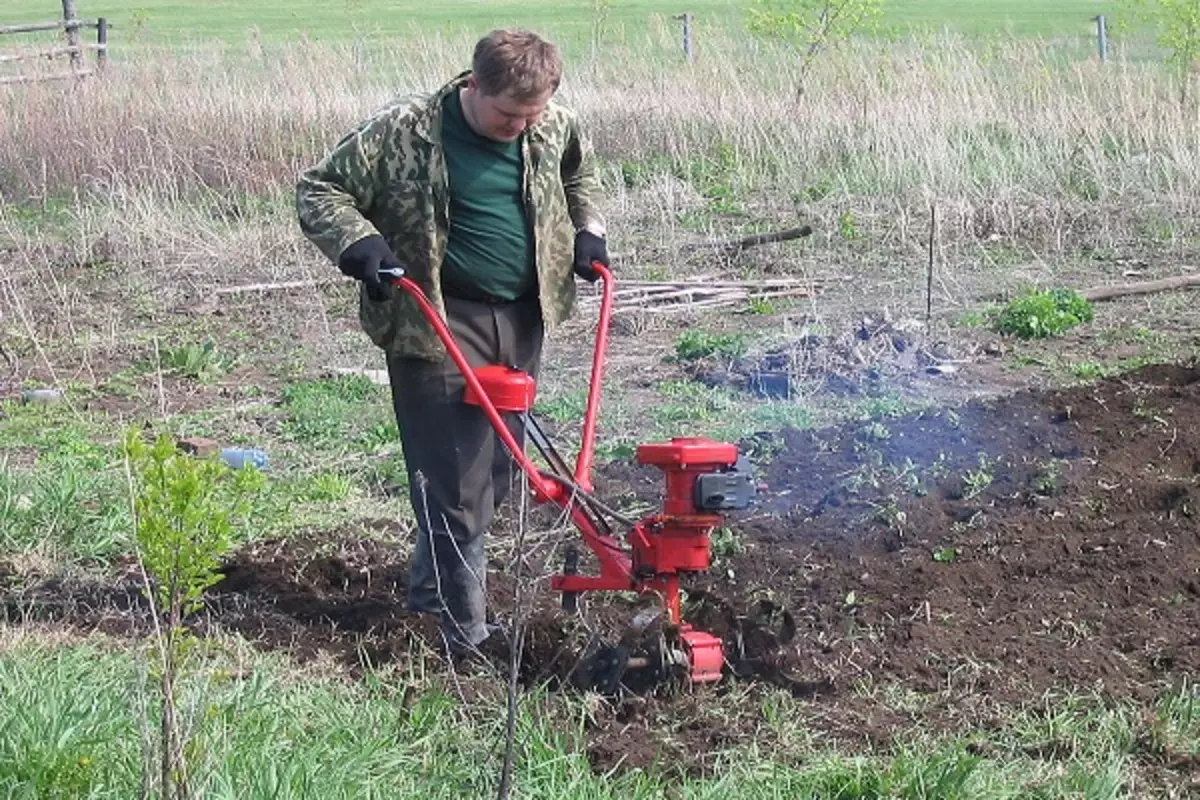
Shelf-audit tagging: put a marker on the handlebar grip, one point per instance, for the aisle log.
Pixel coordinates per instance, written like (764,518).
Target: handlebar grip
(393,273)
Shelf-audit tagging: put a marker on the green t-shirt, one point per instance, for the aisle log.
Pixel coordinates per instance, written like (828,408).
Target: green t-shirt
(490,249)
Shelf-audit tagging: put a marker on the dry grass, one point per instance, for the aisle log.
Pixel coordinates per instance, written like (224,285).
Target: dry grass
(175,169)
(899,121)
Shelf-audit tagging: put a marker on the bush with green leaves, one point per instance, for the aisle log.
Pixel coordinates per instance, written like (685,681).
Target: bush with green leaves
(808,25)
(1176,25)
(186,512)
(1043,313)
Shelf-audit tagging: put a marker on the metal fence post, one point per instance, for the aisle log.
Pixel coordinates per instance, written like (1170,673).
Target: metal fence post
(688,48)
(1102,37)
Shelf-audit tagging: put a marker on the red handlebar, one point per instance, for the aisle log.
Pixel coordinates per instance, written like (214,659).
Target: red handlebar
(587,447)
(542,485)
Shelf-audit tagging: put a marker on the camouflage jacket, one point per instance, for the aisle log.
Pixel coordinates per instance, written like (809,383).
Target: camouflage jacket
(388,176)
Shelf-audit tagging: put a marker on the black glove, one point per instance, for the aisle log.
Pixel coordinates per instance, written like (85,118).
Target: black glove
(588,248)
(362,261)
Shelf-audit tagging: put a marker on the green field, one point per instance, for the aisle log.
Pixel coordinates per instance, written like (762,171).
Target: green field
(155,20)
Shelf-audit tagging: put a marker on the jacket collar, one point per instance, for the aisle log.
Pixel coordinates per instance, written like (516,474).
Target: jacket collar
(429,124)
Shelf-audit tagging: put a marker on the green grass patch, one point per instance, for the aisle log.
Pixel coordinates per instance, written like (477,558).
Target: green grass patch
(61,492)
(55,433)
(692,403)
(563,407)
(693,345)
(884,406)
(345,412)
(63,511)
(73,727)
(1175,730)
(238,23)
(64,492)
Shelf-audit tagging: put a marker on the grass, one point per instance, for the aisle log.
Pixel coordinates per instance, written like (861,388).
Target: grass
(336,413)
(63,492)
(270,731)
(242,23)
(60,491)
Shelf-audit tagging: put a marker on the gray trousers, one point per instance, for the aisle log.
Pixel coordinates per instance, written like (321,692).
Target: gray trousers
(458,469)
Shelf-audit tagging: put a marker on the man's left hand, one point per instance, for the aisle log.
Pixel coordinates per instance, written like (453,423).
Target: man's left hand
(589,248)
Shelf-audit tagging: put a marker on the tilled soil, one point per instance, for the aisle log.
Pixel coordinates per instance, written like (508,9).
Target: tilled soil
(1038,541)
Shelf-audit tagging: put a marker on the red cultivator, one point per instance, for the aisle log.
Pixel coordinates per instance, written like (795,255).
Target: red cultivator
(703,478)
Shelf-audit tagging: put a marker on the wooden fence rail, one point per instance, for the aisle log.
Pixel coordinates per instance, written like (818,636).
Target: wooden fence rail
(75,48)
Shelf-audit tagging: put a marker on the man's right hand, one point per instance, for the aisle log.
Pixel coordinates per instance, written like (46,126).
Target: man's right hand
(362,261)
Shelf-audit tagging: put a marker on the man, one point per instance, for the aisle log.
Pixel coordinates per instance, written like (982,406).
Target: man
(486,193)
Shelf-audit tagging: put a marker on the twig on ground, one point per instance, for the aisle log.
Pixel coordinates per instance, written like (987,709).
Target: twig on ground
(281,285)
(670,297)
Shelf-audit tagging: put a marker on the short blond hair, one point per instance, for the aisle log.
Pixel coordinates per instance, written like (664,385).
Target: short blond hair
(516,62)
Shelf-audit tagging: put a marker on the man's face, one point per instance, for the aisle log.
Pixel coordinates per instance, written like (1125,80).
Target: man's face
(501,117)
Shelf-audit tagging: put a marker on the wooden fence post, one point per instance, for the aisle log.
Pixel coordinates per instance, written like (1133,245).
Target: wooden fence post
(101,43)
(70,22)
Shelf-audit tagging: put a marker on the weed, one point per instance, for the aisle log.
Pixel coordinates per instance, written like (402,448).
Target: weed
(977,480)
(201,362)
(326,487)
(656,272)
(726,542)
(726,207)
(639,173)
(847,228)
(1045,482)
(907,476)
(815,192)
(891,515)
(876,431)
(1087,370)
(691,402)
(1176,725)
(777,415)
(945,555)
(940,468)
(760,306)
(696,344)
(1039,314)
(972,319)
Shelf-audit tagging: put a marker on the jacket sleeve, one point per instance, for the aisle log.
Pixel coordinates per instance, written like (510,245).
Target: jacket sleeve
(581,181)
(333,197)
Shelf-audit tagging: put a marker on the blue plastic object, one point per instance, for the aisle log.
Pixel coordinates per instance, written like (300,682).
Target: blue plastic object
(238,458)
